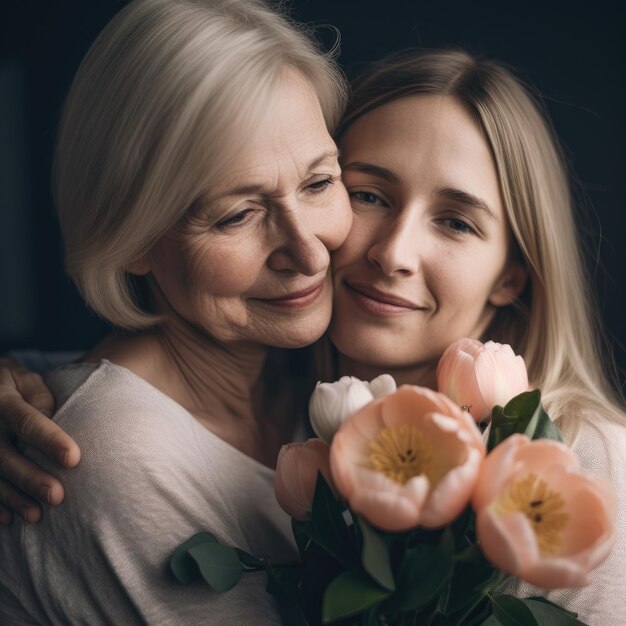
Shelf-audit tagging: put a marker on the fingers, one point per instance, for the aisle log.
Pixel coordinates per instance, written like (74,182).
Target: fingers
(34,391)
(23,480)
(33,428)
(36,430)
(12,500)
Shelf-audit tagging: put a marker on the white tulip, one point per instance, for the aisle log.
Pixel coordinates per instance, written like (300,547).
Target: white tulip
(382,385)
(332,403)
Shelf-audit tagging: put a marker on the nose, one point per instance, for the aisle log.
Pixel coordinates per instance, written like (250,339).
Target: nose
(299,250)
(396,248)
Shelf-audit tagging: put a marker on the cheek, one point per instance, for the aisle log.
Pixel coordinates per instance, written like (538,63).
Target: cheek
(356,245)
(195,271)
(340,220)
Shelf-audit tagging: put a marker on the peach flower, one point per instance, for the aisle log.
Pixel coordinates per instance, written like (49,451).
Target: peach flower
(478,376)
(538,517)
(296,475)
(408,458)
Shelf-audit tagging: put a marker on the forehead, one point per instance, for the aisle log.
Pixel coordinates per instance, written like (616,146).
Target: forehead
(426,140)
(289,134)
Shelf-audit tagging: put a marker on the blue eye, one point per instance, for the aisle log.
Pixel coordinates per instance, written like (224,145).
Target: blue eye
(366,197)
(458,226)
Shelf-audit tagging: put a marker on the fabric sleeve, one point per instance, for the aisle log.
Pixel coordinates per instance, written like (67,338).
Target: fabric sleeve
(102,556)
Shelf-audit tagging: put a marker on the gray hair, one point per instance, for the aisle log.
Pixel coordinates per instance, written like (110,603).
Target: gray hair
(160,103)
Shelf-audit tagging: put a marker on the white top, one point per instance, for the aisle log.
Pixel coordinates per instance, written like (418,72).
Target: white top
(602,451)
(150,477)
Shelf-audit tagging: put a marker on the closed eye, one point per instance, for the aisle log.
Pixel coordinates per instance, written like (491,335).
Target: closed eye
(236,220)
(319,186)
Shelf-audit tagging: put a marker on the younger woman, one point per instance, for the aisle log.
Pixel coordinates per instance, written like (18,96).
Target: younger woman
(463,227)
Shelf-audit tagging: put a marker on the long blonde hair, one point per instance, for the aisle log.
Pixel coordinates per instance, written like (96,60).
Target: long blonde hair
(554,322)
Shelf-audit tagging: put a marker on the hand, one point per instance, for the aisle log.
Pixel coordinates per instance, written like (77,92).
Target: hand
(26,405)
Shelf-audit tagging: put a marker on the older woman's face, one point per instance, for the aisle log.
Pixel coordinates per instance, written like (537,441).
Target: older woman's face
(252,263)
(427,259)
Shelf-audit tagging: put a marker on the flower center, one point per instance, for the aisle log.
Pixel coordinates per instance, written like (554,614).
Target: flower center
(401,453)
(542,507)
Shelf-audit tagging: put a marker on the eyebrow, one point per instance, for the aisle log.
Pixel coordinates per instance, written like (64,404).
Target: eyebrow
(458,195)
(252,189)
(374,170)
(448,193)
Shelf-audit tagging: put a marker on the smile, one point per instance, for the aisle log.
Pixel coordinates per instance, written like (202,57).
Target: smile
(297,299)
(376,302)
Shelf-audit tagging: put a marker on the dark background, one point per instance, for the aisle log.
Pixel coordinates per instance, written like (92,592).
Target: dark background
(573,52)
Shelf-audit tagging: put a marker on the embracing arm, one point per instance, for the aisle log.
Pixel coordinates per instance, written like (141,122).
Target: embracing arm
(26,405)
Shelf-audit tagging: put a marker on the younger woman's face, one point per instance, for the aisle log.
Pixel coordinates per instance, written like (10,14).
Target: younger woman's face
(427,260)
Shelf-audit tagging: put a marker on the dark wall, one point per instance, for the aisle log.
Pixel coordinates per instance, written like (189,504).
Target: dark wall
(572,51)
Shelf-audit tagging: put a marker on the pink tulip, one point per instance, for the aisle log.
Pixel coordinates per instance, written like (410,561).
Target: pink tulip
(478,376)
(538,517)
(408,458)
(296,475)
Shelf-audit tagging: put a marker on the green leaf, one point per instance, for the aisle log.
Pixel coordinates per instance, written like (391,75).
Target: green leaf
(424,571)
(350,593)
(218,564)
(546,428)
(302,531)
(473,577)
(523,414)
(492,620)
(249,562)
(328,527)
(284,584)
(375,556)
(511,611)
(370,618)
(184,568)
(546,612)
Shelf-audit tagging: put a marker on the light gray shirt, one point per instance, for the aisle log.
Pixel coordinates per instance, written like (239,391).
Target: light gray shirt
(150,477)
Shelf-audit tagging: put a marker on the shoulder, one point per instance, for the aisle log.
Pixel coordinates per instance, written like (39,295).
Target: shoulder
(600,446)
(133,438)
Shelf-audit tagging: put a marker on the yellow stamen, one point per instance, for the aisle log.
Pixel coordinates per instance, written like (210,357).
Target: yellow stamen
(401,453)
(543,508)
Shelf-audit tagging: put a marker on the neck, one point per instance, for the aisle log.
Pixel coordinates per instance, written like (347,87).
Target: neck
(204,375)
(423,375)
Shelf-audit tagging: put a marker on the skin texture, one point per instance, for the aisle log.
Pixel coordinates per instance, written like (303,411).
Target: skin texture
(415,236)
(240,248)
(263,233)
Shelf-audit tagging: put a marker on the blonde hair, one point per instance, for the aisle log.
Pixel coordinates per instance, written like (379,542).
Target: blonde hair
(163,99)
(554,322)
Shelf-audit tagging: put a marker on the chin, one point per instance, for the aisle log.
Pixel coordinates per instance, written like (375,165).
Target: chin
(299,333)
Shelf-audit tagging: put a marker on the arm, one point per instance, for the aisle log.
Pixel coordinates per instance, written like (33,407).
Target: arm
(26,405)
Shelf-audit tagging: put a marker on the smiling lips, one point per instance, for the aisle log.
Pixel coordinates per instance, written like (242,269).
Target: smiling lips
(371,300)
(298,299)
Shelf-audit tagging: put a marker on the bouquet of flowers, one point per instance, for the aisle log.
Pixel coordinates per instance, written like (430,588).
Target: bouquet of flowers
(405,512)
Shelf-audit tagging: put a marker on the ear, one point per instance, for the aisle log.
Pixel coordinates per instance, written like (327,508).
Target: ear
(510,284)
(140,267)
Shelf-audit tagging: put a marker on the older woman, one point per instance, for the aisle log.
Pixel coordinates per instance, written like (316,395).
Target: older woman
(196,189)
